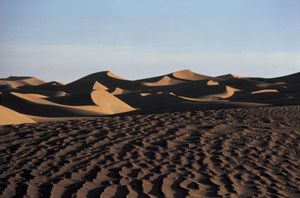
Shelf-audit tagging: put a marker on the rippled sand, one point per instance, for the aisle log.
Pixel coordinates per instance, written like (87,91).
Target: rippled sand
(251,152)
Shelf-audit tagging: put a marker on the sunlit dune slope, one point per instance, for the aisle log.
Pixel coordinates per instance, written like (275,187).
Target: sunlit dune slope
(105,93)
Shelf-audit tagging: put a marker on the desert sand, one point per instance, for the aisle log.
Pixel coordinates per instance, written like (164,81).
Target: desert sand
(181,134)
(105,93)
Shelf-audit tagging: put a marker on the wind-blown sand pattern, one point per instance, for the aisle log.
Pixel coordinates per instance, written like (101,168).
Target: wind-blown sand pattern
(218,153)
(177,135)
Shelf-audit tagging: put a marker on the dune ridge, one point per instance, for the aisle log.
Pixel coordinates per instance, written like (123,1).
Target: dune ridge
(14,82)
(164,81)
(109,103)
(189,75)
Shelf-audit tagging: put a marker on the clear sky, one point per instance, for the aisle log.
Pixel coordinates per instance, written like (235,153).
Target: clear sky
(67,39)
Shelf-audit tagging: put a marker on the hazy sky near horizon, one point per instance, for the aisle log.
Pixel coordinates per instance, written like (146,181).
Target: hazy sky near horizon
(67,39)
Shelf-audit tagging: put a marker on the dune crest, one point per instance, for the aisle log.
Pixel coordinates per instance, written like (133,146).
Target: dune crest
(189,75)
(230,91)
(14,82)
(108,103)
(118,91)
(212,82)
(99,86)
(106,79)
(34,98)
(228,77)
(265,91)
(112,75)
(164,81)
(145,94)
(38,106)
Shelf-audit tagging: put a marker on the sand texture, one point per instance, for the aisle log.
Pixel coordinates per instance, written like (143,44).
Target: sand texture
(181,134)
(243,152)
(105,93)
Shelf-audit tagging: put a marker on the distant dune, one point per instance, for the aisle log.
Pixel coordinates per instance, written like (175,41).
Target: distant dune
(105,93)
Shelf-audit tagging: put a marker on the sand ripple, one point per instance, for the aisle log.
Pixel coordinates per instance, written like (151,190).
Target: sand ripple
(224,153)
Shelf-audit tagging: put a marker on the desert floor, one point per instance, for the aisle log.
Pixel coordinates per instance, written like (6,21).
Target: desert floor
(243,152)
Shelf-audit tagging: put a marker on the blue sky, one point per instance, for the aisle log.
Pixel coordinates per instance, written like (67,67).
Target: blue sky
(66,39)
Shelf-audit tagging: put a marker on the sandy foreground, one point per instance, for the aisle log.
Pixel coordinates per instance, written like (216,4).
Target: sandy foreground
(243,152)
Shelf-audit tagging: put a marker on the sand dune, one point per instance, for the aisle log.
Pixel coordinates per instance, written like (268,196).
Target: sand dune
(243,152)
(164,81)
(115,76)
(37,106)
(145,94)
(265,91)
(212,82)
(176,135)
(49,86)
(227,77)
(229,91)
(108,103)
(106,79)
(99,86)
(119,91)
(189,75)
(9,116)
(105,93)
(15,82)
